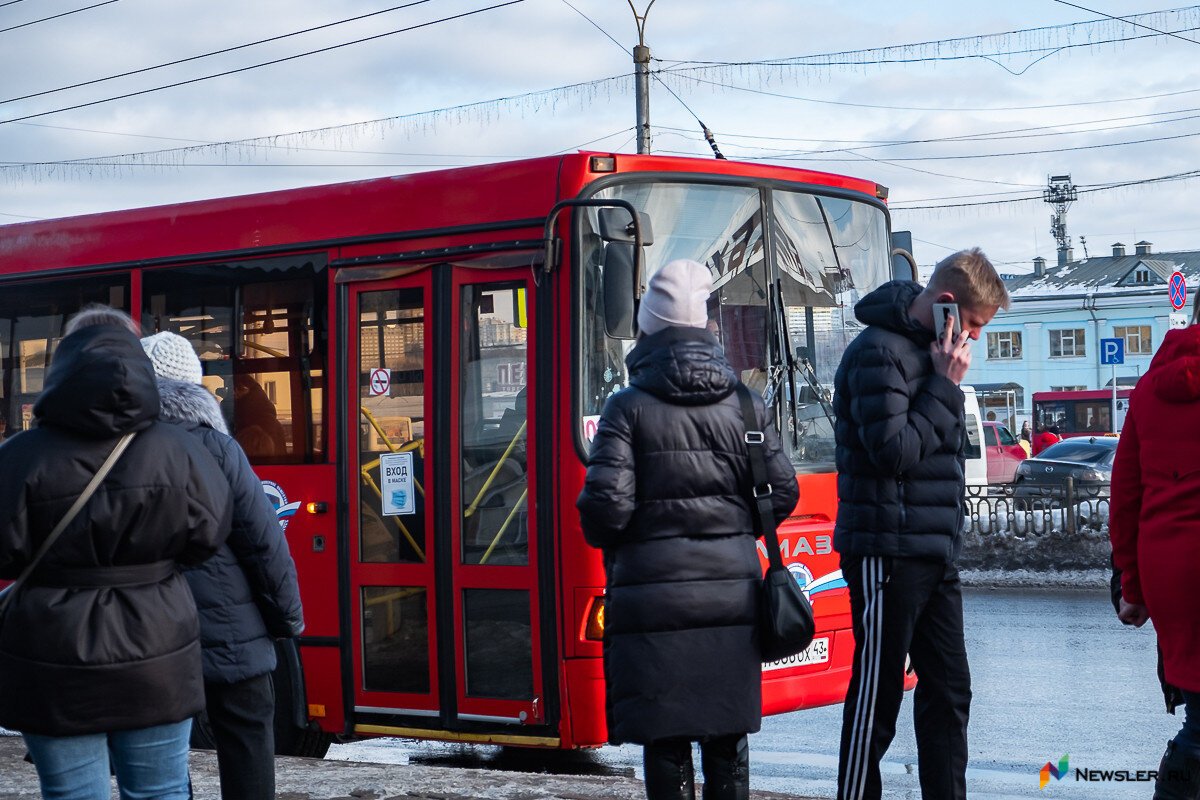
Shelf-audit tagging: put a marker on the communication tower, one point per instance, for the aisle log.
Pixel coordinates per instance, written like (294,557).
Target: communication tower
(1060,193)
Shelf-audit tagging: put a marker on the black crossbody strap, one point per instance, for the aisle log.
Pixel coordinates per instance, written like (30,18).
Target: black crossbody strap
(72,512)
(760,493)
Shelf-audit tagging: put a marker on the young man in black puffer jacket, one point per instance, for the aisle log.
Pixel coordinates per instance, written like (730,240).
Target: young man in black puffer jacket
(667,499)
(900,434)
(247,593)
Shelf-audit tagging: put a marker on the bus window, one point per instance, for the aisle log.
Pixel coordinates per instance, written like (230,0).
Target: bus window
(1093,417)
(494,359)
(32,316)
(258,328)
(831,251)
(719,226)
(391,336)
(1050,414)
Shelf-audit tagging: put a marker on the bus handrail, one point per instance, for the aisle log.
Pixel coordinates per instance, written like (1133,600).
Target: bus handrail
(495,471)
(496,539)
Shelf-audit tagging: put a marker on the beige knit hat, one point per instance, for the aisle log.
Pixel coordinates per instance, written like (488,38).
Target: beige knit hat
(676,297)
(173,357)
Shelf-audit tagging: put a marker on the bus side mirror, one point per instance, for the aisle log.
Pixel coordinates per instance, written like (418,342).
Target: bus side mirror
(621,288)
(619,306)
(616,226)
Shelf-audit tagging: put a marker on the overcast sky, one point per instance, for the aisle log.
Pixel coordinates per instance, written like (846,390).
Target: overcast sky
(841,113)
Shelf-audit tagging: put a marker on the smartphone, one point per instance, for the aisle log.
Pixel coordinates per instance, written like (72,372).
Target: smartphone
(942,312)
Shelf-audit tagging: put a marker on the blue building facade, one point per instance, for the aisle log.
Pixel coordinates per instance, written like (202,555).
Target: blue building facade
(1049,340)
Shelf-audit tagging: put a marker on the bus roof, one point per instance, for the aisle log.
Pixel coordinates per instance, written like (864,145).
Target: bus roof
(318,217)
(1082,394)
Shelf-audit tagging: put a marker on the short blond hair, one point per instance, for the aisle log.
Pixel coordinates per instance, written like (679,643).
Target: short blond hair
(971,278)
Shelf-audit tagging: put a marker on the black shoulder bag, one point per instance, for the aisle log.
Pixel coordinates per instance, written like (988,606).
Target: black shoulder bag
(785,618)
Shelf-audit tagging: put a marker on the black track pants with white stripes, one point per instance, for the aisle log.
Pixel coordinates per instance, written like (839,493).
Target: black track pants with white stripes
(905,606)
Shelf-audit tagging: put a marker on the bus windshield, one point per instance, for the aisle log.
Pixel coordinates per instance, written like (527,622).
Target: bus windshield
(788,267)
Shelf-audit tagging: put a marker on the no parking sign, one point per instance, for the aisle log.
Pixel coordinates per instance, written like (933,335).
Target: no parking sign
(1178,290)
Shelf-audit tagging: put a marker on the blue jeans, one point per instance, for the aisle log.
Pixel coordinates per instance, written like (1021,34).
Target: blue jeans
(150,763)
(1188,738)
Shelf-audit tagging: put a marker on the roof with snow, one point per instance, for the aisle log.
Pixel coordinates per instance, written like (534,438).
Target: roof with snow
(1108,274)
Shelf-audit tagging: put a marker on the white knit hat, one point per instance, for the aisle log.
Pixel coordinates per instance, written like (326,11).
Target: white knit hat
(173,357)
(676,297)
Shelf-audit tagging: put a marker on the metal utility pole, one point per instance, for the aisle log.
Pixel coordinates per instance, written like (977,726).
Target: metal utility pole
(641,78)
(1060,193)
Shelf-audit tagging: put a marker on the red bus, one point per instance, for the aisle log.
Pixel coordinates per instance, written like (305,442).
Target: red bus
(1078,413)
(415,365)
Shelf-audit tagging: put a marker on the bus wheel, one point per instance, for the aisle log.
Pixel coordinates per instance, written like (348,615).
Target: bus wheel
(295,733)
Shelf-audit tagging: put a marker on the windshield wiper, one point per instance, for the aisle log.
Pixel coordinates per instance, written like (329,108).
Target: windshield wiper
(786,365)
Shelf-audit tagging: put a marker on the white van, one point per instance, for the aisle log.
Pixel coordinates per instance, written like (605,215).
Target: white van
(977,474)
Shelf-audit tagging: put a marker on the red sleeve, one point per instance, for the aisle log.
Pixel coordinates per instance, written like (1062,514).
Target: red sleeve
(1126,508)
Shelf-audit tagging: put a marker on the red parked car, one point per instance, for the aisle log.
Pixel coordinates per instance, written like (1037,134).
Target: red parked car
(1004,452)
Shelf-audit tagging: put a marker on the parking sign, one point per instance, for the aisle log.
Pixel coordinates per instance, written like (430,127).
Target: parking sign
(1112,351)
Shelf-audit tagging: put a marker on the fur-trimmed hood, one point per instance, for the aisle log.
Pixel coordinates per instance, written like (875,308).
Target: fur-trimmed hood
(190,402)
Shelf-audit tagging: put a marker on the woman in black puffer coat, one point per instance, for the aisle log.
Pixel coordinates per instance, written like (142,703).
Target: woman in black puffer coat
(247,594)
(666,498)
(100,649)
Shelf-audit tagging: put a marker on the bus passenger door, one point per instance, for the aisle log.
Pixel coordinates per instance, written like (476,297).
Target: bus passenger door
(443,569)
(495,548)
(390,475)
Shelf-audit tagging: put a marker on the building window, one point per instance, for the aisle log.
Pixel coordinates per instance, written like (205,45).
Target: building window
(1068,388)
(1004,344)
(1137,339)
(1141,275)
(1067,343)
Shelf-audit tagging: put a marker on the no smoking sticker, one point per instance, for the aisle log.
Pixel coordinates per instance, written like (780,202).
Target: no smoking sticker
(381,381)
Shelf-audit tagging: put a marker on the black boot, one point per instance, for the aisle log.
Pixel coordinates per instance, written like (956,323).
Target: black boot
(726,764)
(1178,776)
(669,773)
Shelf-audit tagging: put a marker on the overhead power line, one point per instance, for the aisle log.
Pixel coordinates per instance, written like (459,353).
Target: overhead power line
(421,119)
(56,16)
(1126,19)
(968,109)
(1007,155)
(1031,132)
(1048,37)
(222,51)
(261,64)
(1107,187)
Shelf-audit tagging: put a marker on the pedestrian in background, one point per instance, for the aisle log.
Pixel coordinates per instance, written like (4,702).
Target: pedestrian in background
(1155,532)
(900,436)
(667,499)
(1026,438)
(247,593)
(100,648)
(1047,436)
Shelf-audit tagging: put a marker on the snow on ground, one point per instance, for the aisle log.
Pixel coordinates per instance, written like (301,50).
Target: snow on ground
(1036,579)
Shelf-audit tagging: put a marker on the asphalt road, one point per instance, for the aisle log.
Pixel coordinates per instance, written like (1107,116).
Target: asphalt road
(1053,674)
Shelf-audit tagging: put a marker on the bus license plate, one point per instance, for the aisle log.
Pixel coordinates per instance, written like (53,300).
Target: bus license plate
(815,653)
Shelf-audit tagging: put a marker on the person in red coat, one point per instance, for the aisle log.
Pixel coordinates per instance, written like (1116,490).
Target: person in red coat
(1155,531)
(1045,437)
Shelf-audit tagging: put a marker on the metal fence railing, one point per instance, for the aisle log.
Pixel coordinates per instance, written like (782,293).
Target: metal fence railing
(1007,509)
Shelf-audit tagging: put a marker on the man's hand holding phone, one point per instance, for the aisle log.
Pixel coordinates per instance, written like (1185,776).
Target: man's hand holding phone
(952,349)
